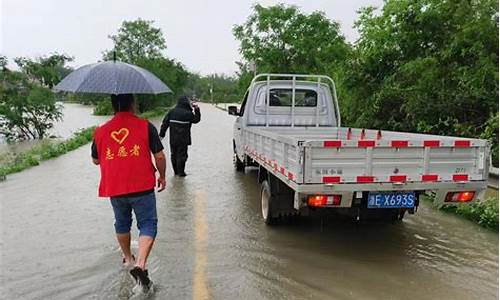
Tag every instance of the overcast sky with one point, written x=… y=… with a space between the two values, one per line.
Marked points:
x=198 y=33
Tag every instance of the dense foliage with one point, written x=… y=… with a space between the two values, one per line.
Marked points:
x=213 y=88
x=28 y=108
x=140 y=43
x=426 y=66
x=281 y=39
x=484 y=213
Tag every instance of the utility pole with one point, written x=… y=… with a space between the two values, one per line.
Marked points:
x=211 y=85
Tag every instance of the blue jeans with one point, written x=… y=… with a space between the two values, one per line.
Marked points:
x=144 y=208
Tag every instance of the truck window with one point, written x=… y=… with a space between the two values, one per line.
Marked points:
x=243 y=104
x=283 y=97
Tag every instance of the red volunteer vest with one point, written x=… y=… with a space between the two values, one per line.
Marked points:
x=124 y=156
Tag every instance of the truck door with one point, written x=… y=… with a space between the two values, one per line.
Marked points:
x=237 y=128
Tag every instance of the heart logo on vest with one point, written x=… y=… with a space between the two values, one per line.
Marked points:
x=120 y=135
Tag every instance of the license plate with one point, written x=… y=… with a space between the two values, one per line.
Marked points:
x=391 y=200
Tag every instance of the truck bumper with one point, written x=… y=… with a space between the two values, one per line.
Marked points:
x=438 y=189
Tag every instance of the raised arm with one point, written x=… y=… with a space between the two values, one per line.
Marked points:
x=197 y=115
x=164 y=125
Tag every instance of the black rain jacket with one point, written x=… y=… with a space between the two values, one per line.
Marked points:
x=179 y=119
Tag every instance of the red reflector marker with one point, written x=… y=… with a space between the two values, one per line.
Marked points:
x=365 y=179
x=366 y=143
x=336 y=199
x=399 y=144
x=462 y=144
x=430 y=177
x=460 y=177
x=459 y=196
x=432 y=144
x=332 y=144
x=331 y=179
x=290 y=175
x=398 y=178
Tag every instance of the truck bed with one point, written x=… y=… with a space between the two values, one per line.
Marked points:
x=339 y=156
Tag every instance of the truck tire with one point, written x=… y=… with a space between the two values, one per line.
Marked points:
x=238 y=164
x=266 y=202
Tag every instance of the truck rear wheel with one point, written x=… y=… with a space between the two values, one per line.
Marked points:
x=238 y=164
x=267 y=203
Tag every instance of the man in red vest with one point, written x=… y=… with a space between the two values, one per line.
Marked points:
x=122 y=148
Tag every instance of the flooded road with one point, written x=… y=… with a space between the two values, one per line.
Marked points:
x=57 y=240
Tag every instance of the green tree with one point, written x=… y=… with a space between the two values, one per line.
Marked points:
x=425 y=65
x=281 y=39
x=137 y=40
x=45 y=70
x=27 y=110
x=224 y=88
x=3 y=62
x=140 y=43
x=491 y=133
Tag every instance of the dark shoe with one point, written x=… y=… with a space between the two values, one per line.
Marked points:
x=182 y=174
x=142 y=278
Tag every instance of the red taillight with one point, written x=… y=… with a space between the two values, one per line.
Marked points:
x=459 y=196
x=324 y=200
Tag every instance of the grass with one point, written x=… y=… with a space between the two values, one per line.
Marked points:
x=156 y=112
x=45 y=151
x=484 y=213
x=13 y=163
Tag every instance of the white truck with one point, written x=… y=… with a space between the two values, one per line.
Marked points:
x=289 y=127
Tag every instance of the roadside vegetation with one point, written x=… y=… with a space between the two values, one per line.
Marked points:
x=484 y=212
x=12 y=163
x=28 y=108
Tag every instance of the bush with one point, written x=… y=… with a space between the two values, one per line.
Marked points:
x=484 y=213
x=157 y=112
x=103 y=108
x=491 y=133
x=45 y=151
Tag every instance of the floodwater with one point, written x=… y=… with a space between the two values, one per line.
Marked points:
x=75 y=117
x=57 y=240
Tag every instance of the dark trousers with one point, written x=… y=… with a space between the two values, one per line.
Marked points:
x=178 y=156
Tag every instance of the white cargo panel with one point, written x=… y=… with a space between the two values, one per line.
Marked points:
x=386 y=163
x=344 y=155
x=282 y=156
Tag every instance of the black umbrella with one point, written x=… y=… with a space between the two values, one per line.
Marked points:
x=112 y=77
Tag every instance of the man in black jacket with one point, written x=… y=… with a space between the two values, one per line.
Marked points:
x=179 y=120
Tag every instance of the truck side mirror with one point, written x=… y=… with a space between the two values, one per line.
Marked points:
x=232 y=110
